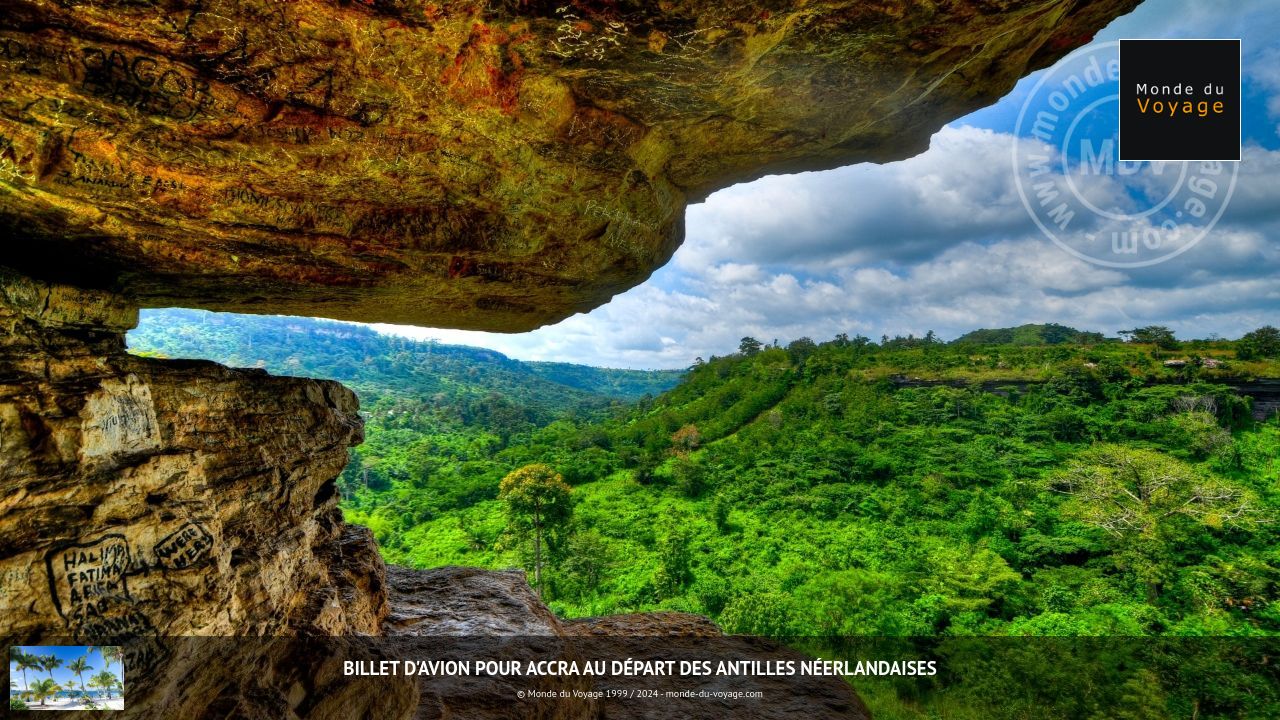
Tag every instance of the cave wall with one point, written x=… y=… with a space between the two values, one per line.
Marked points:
x=145 y=499
x=155 y=475
x=483 y=164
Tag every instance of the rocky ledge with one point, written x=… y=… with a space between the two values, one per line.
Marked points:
x=146 y=499
x=187 y=511
x=474 y=163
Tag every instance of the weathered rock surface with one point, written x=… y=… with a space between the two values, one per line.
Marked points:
x=478 y=164
x=459 y=613
x=202 y=496
x=150 y=498
x=681 y=636
x=465 y=601
x=456 y=613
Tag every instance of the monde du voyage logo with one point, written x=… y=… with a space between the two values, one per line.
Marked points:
x=1126 y=152
x=1180 y=100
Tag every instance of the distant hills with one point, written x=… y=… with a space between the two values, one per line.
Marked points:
x=1028 y=335
x=374 y=364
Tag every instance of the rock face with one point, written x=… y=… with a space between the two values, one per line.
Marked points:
x=459 y=613
x=490 y=165
x=188 y=512
x=152 y=498
x=200 y=499
x=464 y=613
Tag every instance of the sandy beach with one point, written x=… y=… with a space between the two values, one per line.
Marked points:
x=76 y=704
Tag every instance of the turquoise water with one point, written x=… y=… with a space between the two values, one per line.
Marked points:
x=96 y=694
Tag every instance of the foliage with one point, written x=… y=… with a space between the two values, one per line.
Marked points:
x=538 y=504
x=49 y=663
x=105 y=680
x=809 y=494
x=1029 y=335
x=44 y=688
x=1158 y=335
x=24 y=661
x=1261 y=343
x=434 y=413
x=79 y=666
x=906 y=488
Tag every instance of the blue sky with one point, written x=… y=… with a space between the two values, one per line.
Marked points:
x=64 y=677
x=939 y=242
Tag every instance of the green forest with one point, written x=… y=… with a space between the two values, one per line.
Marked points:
x=1034 y=481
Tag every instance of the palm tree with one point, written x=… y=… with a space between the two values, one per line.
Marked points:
x=80 y=666
x=114 y=653
x=25 y=661
x=49 y=663
x=104 y=680
x=44 y=689
x=110 y=654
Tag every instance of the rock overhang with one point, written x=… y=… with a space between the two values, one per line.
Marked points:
x=493 y=166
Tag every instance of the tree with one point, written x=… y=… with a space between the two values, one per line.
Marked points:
x=674 y=559
x=43 y=689
x=1261 y=343
x=801 y=348
x=586 y=561
x=49 y=663
x=749 y=346
x=110 y=654
x=719 y=509
x=537 y=501
x=690 y=475
x=104 y=680
x=24 y=661
x=1158 y=335
x=79 y=666
x=1139 y=496
x=686 y=438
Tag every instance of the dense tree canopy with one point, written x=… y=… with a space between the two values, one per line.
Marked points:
x=909 y=488
x=1261 y=343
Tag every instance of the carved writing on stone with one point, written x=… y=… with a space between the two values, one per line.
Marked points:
x=88 y=580
x=184 y=547
x=119 y=417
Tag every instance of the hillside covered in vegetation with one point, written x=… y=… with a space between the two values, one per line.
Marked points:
x=799 y=491
x=808 y=492
x=830 y=490
x=419 y=399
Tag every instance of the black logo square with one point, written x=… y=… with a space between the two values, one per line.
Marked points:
x=1180 y=100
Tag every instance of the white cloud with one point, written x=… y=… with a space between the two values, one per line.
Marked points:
x=937 y=242
x=999 y=271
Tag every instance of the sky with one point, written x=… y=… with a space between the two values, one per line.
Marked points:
x=939 y=242
x=61 y=675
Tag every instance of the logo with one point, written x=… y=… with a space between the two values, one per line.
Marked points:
x=1110 y=212
x=1180 y=100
